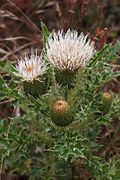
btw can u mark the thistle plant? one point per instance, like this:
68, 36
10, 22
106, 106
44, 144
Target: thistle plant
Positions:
56, 134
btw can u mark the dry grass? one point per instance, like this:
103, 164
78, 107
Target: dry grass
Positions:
20, 21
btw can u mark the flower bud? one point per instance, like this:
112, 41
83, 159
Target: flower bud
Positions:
105, 104
106, 97
61, 113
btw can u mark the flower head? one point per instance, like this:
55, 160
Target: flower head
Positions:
60, 106
31, 67
106, 97
70, 51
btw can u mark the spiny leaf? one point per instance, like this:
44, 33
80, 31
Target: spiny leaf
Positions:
45, 31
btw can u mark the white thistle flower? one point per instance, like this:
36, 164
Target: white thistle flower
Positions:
70, 51
31, 67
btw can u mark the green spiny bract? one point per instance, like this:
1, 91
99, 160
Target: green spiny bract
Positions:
35, 88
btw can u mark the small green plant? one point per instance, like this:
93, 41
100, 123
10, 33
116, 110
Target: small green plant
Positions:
62, 114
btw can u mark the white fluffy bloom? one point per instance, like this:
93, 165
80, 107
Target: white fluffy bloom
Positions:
31, 67
69, 51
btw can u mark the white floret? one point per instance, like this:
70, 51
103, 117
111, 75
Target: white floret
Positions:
69, 51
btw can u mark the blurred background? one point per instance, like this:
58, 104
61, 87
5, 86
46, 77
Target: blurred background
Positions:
20, 22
